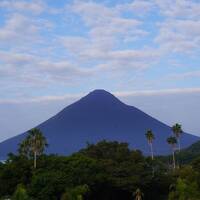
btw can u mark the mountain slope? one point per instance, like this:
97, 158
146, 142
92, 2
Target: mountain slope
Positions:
97, 116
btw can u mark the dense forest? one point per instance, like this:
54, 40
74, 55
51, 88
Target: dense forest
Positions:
108, 170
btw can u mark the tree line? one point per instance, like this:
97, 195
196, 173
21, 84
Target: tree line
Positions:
102, 171
172, 141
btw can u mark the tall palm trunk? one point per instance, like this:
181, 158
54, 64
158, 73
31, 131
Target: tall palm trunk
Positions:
152, 158
179, 144
35, 159
174, 161
151, 146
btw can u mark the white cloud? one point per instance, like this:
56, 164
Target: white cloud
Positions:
179, 32
35, 7
90, 56
113, 45
18, 67
159, 92
40, 99
179, 35
182, 9
124, 94
16, 59
107, 26
107, 30
19, 29
138, 7
190, 74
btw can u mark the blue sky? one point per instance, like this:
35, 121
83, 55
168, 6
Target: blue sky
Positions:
56, 51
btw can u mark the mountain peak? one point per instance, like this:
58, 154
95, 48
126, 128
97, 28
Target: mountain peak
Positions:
100, 92
100, 96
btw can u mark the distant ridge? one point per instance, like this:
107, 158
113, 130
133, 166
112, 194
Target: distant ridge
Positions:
97, 116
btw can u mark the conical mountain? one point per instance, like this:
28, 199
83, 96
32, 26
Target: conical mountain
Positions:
95, 117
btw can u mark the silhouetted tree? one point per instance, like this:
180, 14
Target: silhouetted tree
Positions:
150, 137
172, 141
177, 130
33, 145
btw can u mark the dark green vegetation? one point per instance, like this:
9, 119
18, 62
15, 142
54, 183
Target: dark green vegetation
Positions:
186, 155
105, 171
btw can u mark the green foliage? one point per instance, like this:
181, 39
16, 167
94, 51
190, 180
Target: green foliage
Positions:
177, 130
20, 193
107, 170
185, 190
172, 141
108, 150
189, 154
35, 142
150, 136
121, 167
47, 185
76, 193
186, 156
33, 145
196, 164
17, 170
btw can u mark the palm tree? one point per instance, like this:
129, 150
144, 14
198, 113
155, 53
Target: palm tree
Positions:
177, 130
37, 143
24, 148
138, 194
150, 137
172, 141
34, 145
